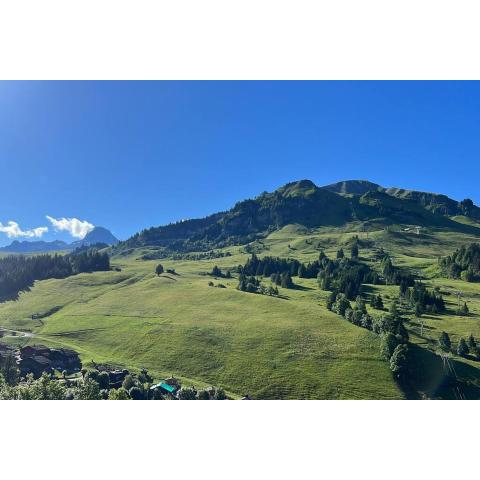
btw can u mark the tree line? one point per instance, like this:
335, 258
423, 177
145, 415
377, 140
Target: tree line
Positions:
18, 272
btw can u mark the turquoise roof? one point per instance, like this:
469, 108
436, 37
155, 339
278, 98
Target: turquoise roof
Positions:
165, 386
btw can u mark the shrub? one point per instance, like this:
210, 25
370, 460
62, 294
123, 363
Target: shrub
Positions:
220, 394
203, 395
136, 393
118, 394
103, 380
187, 393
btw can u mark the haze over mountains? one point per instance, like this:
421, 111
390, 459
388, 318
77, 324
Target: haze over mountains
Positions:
302, 202
97, 235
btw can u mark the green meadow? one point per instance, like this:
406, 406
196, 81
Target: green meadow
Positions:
290, 347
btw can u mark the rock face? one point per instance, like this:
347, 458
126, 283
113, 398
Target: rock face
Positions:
99, 235
354, 187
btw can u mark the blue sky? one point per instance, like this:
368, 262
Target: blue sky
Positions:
129, 155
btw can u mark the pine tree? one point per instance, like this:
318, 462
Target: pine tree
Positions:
360, 304
286, 281
376, 302
216, 272
472, 344
388, 343
462, 348
393, 310
399, 361
354, 251
464, 310
444, 342
332, 298
301, 271
340, 253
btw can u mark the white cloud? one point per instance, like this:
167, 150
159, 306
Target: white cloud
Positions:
75, 227
13, 230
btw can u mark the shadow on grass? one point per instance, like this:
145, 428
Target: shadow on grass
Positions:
166, 276
433, 378
301, 288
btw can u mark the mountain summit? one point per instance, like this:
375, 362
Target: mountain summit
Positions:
99, 235
355, 187
304, 203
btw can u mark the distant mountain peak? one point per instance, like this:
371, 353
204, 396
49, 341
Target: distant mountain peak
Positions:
26, 246
98, 235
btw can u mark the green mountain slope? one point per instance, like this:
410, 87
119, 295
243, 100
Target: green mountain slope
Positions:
305, 204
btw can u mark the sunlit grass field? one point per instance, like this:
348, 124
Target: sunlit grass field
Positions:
267, 347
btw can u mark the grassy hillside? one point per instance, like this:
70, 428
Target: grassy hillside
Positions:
289, 347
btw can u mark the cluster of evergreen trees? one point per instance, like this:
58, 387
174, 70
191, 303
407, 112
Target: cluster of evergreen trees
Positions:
422, 299
376, 302
267, 266
464, 263
252, 284
394, 275
357, 314
18, 272
217, 272
344, 275
394, 335
464, 347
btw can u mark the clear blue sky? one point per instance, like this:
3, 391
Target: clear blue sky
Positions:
129, 155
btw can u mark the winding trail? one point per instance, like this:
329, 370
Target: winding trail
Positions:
16, 333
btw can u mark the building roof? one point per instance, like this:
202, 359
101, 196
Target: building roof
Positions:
164, 386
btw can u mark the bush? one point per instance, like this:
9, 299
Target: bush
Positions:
118, 394
187, 393
87, 390
92, 375
128, 382
220, 394
136, 394
203, 395
103, 380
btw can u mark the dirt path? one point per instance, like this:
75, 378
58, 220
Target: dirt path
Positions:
8, 332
